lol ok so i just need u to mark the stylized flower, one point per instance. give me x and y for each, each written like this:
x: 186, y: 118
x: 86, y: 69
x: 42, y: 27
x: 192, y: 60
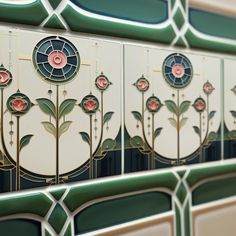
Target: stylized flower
x: 208, y: 88
x: 89, y: 104
x: 142, y: 84
x: 153, y: 104
x: 234, y: 89
x: 5, y: 77
x: 102, y: 82
x: 18, y: 104
x: 199, y: 104
x: 56, y: 59
x: 178, y: 70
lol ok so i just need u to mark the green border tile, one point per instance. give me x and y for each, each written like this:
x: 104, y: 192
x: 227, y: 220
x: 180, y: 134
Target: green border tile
x: 54, y: 3
x: 54, y: 23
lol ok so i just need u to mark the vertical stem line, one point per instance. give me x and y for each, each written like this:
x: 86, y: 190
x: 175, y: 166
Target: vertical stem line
x: 200, y: 136
x: 91, y: 148
x: 17, y: 153
x: 57, y: 134
x: 178, y: 130
x: 153, y: 139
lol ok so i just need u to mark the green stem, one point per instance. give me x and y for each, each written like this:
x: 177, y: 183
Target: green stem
x: 91, y: 148
x: 178, y: 131
x: 17, y: 153
x: 153, y: 139
x: 200, y: 136
x: 57, y: 135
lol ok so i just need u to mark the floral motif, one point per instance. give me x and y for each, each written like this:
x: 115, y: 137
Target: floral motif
x: 199, y: 104
x: 5, y: 77
x: 18, y: 104
x: 89, y: 104
x: 208, y: 88
x: 234, y: 89
x: 153, y: 104
x: 177, y: 70
x: 142, y: 84
x: 102, y: 82
x: 56, y: 59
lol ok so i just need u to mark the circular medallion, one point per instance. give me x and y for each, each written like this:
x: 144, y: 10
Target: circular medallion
x: 153, y: 104
x: 5, y: 77
x: 102, y: 82
x: 199, y: 104
x: 89, y: 104
x: 208, y: 88
x: 142, y: 84
x: 18, y: 104
x: 56, y: 59
x: 177, y: 70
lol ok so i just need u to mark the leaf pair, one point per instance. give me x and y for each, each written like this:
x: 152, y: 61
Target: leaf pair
x: 48, y: 107
x: 182, y: 122
x: 172, y: 107
x: 49, y: 127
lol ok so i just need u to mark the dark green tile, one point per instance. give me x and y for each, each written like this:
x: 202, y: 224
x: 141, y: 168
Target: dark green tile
x: 57, y: 194
x: 57, y: 218
x: 179, y: 18
x: 121, y: 210
x: 36, y: 203
x: 68, y: 231
x: 54, y: 22
x: 181, y: 193
x: 31, y: 14
x: 54, y: 3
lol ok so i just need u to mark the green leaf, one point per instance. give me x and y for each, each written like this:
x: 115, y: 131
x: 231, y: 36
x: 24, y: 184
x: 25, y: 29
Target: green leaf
x: 25, y: 140
x: 157, y: 132
x: 64, y: 127
x: 108, y: 144
x: 173, y: 122
x: 182, y: 122
x: 107, y: 117
x: 49, y: 127
x: 47, y: 106
x: 136, y: 141
x: 233, y: 113
x: 137, y: 115
x: 232, y: 134
x: 197, y: 130
x: 66, y: 107
x: 184, y: 107
x: 171, y: 106
x: 212, y: 136
x: 211, y: 115
x: 85, y: 137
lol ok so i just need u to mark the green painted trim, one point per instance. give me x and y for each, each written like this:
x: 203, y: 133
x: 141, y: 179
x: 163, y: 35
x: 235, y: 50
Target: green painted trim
x: 178, y: 221
x: 47, y: 233
x: 173, y: 3
x: 68, y: 231
x: 187, y: 219
x: 214, y: 190
x: 57, y: 218
x: 57, y: 194
x: 20, y: 227
x: 30, y: 14
x: 181, y: 173
x: 54, y: 3
x: 179, y: 18
x: 184, y: 4
x: 37, y: 203
x: 54, y: 23
x: 144, y: 11
x: 181, y: 193
x: 212, y: 23
x: 197, y: 175
x: 125, y: 209
x: 200, y: 43
x: 82, y: 23
x: 119, y: 186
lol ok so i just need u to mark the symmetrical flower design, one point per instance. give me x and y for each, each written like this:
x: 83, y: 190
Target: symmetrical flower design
x: 177, y: 70
x: 102, y: 82
x: 142, y: 84
x: 89, y: 104
x: 208, y: 88
x: 199, y: 104
x: 153, y: 104
x: 5, y: 77
x: 56, y: 59
x: 18, y: 104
